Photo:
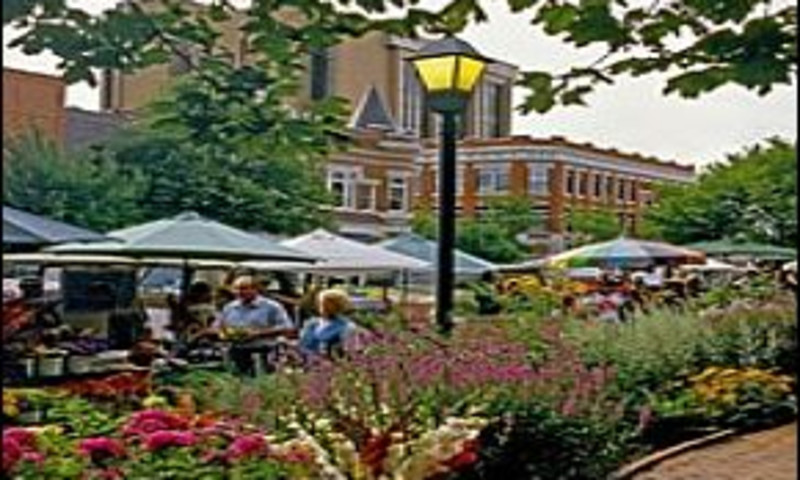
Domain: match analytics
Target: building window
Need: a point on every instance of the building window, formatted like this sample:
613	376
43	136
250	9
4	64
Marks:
411	111
598	185
632	191
493	179
569	186
538	176
365	196
397	194
339	186
490	109
349	191
320	73
621	189
583	184
610	188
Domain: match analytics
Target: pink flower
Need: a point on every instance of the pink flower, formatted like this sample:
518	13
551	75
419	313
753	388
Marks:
24	438
111	474
34	457
149	421
169	438
101	448
247	446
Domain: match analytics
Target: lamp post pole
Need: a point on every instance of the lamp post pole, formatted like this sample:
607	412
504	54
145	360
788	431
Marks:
449	69
447	223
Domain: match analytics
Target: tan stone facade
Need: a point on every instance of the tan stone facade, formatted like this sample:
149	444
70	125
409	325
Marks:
33	101
556	175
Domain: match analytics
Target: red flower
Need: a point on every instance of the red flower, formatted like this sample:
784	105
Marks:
169	438
12	453
101	448
465	458
24	438
149	421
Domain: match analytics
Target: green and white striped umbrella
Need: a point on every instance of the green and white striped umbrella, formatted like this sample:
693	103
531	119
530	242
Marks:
626	253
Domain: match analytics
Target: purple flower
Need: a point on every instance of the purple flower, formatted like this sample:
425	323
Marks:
169	438
645	416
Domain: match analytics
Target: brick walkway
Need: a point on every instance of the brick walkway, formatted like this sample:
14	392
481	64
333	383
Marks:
768	455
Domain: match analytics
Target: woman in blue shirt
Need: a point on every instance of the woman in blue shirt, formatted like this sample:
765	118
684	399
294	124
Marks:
332	332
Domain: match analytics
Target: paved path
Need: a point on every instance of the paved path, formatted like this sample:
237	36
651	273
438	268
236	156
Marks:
768	455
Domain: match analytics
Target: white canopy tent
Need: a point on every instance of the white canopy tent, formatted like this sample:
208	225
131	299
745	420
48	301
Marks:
712	265
338	255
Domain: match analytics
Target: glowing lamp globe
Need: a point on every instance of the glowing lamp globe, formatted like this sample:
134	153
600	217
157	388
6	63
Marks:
449	70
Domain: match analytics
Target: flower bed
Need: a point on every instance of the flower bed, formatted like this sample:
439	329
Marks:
516	398
155	444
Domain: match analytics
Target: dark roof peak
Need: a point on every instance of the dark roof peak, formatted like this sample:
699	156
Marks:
372	113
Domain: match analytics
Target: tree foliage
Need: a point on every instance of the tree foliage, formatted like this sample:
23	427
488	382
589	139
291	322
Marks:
700	45
226	141
589	226
226	145
91	191
493	235
753	195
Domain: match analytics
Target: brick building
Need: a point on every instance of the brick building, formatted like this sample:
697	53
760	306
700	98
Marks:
556	175
33	101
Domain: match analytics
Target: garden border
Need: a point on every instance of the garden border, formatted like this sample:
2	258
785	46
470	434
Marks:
650	461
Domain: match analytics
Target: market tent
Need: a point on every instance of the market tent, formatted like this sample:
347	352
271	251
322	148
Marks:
186	236
182	241
23	229
340	255
730	248
425	250
712	265
62	259
625	253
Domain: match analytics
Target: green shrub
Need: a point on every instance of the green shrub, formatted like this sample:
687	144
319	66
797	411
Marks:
647	353
532	441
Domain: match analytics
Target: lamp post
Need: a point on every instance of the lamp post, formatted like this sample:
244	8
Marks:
449	70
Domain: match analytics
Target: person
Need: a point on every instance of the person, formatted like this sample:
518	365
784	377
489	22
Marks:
332	332
146	349
256	318
200	309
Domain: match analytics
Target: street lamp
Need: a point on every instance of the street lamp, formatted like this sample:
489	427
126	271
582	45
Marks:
449	70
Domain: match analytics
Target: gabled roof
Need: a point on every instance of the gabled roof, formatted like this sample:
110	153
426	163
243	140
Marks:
372	113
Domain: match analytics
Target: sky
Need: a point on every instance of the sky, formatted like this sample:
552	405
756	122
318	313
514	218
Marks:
632	115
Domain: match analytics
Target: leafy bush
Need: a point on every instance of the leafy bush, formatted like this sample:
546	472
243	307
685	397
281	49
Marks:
647	353
763	335
533	441
724	397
